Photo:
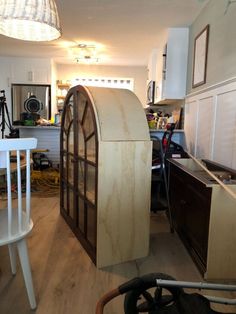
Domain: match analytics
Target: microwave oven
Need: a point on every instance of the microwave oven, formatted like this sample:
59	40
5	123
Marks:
150	92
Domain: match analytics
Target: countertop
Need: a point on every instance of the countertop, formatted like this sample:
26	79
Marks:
189	166
38	127
163	130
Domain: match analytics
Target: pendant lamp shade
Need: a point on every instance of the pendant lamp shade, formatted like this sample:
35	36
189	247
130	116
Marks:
34	20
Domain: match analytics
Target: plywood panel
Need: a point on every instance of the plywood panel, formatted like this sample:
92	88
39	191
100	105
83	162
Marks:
123	201
222	236
120	114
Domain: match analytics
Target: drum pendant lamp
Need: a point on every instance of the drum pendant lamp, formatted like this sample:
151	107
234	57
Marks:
33	20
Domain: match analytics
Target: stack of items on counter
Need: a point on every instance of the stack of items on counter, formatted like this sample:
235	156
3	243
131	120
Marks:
159	119
29	119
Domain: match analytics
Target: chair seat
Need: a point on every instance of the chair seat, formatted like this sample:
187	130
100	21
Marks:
16	234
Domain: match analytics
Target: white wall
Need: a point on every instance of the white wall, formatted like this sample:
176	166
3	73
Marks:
139	73
221	63
210	123
53	88
210	113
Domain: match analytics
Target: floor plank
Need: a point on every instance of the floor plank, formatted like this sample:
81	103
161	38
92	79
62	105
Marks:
65	279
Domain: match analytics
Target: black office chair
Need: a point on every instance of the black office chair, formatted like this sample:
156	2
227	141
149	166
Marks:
159	177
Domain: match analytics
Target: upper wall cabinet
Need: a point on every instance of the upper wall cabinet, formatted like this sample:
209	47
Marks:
171	67
30	71
152	65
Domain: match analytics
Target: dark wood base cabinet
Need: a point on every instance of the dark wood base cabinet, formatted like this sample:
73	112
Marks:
202	213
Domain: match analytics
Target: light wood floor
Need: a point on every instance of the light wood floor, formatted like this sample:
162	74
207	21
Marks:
65	279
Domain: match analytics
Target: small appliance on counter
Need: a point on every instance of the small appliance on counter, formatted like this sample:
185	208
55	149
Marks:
33	106
29	119
150	93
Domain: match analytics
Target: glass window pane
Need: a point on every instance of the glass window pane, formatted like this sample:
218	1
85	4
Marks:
71	169
91	149
81	215
91	183
3	188
64	144
64	173
71	203
88	122
68	116
81	142
81	106
81	177
91	225
71	138
71	104
64	198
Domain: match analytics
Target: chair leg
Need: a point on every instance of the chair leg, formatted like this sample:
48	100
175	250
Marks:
168	202
12	254
25	265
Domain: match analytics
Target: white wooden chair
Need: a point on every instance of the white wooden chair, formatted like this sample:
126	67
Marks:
15	222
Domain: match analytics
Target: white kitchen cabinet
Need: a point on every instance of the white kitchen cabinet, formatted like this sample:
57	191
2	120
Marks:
152	65
30	71
171	67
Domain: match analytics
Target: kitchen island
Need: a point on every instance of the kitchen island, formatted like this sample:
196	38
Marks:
48	138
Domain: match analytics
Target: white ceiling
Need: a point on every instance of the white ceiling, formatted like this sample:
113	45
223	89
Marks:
125	30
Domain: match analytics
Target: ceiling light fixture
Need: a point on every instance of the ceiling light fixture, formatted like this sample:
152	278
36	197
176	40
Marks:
33	20
84	53
87	59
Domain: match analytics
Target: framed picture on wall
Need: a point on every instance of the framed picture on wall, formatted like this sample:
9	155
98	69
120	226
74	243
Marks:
200	57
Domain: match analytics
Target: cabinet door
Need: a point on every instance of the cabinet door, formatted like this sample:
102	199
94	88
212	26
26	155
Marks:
68	160
190	207
79	161
172	66
31	71
177	198
87	169
197	215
